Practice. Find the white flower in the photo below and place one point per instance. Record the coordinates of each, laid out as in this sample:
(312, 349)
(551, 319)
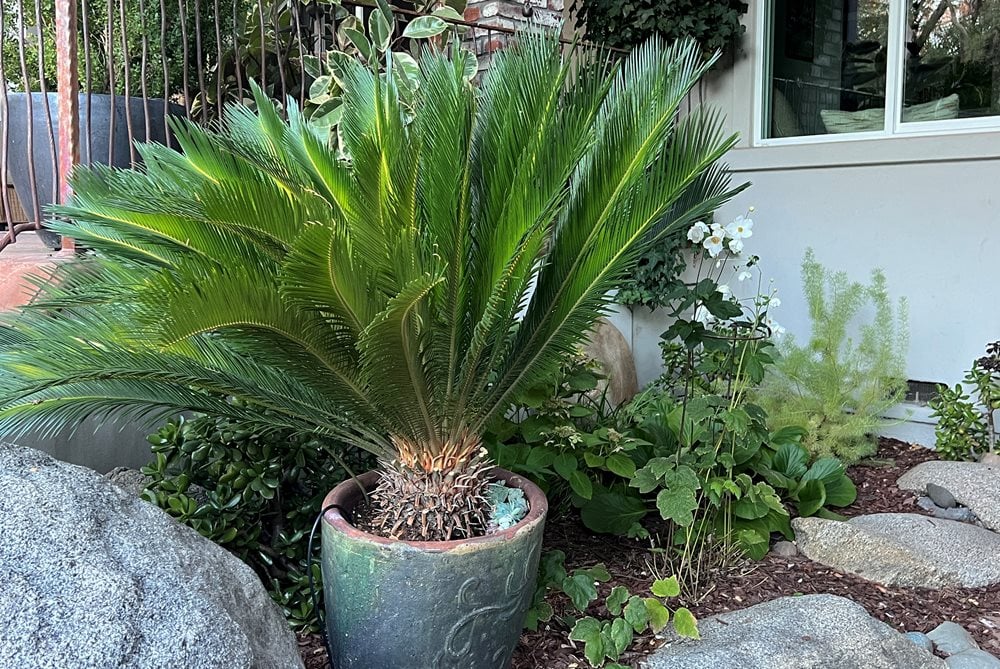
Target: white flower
(713, 244)
(725, 290)
(774, 302)
(697, 232)
(718, 230)
(744, 276)
(740, 228)
(736, 245)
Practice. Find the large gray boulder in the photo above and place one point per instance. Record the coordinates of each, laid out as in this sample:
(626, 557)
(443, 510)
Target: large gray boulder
(91, 576)
(972, 484)
(903, 549)
(808, 632)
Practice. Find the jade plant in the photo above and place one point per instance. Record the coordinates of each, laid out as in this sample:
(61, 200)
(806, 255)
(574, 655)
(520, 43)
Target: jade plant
(394, 291)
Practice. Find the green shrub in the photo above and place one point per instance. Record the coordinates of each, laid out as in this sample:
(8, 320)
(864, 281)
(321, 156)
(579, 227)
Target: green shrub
(714, 24)
(966, 427)
(253, 493)
(839, 388)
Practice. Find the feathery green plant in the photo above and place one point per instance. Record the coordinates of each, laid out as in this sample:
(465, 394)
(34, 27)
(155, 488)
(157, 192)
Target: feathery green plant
(396, 291)
(837, 387)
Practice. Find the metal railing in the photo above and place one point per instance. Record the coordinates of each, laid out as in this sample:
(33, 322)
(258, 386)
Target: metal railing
(82, 80)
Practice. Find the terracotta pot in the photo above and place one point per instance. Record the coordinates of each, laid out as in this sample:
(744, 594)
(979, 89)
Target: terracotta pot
(427, 604)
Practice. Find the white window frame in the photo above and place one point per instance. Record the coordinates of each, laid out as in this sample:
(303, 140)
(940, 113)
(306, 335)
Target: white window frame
(895, 67)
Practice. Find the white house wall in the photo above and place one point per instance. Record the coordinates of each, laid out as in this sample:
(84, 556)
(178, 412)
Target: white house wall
(924, 209)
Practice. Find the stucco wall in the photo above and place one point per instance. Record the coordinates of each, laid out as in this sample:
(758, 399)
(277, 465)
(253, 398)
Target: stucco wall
(924, 209)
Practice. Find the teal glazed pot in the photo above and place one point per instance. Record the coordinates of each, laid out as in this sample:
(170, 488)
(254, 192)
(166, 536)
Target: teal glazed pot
(394, 604)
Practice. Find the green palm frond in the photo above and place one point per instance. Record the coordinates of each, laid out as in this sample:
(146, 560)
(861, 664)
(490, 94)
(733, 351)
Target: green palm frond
(399, 288)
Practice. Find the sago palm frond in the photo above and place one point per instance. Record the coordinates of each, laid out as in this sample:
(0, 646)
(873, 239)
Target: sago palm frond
(396, 291)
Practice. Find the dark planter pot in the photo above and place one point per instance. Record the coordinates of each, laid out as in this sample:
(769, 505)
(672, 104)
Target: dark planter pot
(427, 605)
(104, 141)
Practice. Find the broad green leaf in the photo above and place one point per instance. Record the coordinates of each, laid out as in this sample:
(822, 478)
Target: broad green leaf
(597, 573)
(826, 470)
(565, 464)
(380, 29)
(666, 587)
(581, 484)
(811, 497)
(424, 27)
(593, 459)
(407, 64)
(620, 464)
(448, 13)
(360, 42)
(612, 512)
(840, 491)
(685, 624)
(791, 460)
(659, 615)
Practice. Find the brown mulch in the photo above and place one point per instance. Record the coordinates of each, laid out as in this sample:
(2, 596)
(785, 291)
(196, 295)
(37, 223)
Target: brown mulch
(739, 586)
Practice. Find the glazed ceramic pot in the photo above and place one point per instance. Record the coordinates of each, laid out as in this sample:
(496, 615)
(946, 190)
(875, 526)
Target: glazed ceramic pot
(393, 604)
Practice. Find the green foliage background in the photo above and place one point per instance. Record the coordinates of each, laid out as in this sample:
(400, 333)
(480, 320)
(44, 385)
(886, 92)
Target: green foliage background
(714, 24)
(142, 23)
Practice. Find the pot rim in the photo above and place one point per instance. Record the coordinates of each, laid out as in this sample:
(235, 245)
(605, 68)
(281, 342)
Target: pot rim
(346, 496)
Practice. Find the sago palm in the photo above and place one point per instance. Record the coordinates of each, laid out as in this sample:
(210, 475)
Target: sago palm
(395, 291)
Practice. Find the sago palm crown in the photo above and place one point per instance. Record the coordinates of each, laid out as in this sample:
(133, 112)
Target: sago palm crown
(395, 289)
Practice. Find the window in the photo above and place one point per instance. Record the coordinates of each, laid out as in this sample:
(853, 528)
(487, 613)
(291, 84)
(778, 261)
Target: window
(871, 68)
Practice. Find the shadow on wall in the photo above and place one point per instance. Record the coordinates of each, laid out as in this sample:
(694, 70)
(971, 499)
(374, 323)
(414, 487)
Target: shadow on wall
(98, 445)
(101, 446)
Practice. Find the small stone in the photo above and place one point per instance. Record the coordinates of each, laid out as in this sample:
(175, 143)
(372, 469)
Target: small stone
(972, 659)
(951, 639)
(922, 640)
(927, 504)
(941, 496)
(959, 513)
(972, 484)
(785, 549)
(992, 459)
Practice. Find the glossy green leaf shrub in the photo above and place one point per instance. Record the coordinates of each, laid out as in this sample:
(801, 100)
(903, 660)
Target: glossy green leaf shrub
(254, 493)
(966, 423)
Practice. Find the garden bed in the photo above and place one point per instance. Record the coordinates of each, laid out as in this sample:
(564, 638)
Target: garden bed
(745, 584)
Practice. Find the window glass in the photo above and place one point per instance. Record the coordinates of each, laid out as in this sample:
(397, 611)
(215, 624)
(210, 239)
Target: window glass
(952, 60)
(828, 65)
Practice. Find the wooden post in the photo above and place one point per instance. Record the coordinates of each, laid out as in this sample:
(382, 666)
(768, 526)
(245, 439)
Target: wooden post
(68, 94)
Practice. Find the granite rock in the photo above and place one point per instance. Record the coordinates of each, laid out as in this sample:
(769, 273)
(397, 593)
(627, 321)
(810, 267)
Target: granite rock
(94, 577)
(903, 549)
(807, 632)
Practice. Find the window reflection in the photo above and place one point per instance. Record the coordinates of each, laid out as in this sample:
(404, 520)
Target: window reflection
(828, 65)
(952, 54)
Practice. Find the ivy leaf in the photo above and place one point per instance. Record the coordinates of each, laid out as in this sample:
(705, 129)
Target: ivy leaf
(619, 595)
(580, 589)
(677, 500)
(658, 614)
(685, 624)
(636, 614)
(621, 638)
(588, 630)
(666, 587)
(645, 480)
